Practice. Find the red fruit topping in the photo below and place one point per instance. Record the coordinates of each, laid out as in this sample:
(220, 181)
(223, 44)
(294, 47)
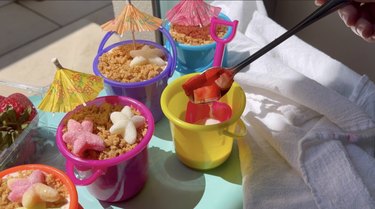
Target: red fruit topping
(218, 77)
(196, 112)
(224, 81)
(193, 83)
(207, 94)
(20, 103)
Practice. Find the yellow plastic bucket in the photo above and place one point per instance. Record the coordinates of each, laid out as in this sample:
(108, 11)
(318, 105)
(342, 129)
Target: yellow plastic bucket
(202, 146)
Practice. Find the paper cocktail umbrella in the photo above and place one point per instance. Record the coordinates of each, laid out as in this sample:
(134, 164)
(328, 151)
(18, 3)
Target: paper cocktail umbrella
(192, 13)
(69, 89)
(133, 20)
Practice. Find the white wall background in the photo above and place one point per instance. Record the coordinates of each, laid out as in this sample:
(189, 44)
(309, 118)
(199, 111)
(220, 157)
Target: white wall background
(328, 34)
(144, 6)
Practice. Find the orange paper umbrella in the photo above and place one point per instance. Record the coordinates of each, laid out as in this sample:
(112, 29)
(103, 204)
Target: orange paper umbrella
(69, 89)
(132, 19)
(192, 13)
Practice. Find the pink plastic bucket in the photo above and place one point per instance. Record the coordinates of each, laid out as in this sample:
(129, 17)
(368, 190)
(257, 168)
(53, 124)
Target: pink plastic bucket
(148, 92)
(116, 179)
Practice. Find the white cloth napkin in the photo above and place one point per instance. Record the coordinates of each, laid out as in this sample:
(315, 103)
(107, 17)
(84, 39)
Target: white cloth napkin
(310, 121)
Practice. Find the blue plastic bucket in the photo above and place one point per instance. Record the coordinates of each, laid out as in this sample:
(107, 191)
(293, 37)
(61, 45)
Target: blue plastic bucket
(148, 92)
(195, 59)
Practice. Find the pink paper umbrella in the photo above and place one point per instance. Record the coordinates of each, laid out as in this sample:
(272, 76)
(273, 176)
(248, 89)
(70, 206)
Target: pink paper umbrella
(192, 13)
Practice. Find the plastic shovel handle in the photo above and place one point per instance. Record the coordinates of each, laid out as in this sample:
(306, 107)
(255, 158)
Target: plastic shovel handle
(220, 43)
(82, 182)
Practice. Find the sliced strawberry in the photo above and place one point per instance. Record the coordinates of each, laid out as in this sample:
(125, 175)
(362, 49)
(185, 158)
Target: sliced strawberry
(225, 81)
(218, 77)
(1, 98)
(221, 111)
(207, 94)
(196, 112)
(193, 83)
(212, 74)
(199, 113)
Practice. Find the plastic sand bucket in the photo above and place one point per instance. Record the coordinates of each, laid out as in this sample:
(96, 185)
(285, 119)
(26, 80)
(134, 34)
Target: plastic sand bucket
(202, 146)
(72, 191)
(192, 59)
(115, 179)
(148, 92)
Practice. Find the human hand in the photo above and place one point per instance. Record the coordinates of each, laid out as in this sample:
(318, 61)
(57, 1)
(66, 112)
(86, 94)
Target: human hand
(359, 15)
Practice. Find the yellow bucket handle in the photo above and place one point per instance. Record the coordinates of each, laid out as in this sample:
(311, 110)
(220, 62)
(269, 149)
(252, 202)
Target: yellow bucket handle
(240, 130)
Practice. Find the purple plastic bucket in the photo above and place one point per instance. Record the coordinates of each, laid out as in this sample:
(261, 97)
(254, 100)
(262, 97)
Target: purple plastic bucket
(115, 179)
(148, 92)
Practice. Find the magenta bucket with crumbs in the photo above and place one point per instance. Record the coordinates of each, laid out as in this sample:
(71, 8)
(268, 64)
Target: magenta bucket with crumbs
(114, 179)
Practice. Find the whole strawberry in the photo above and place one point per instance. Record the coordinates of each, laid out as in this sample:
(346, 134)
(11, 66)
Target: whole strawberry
(20, 103)
(16, 112)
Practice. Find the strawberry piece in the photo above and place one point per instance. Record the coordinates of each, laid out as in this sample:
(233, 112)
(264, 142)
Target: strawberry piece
(203, 79)
(193, 83)
(199, 113)
(20, 103)
(207, 94)
(1, 98)
(221, 111)
(225, 81)
(196, 112)
(218, 77)
(212, 74)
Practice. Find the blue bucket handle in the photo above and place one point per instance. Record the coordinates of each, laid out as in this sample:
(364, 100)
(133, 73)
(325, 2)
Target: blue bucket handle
(164, 31)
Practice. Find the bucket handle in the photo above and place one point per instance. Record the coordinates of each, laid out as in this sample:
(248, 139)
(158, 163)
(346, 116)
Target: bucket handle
(104, 41)
(239, 132)
(174, 49)
(164, 31)
(82, 182)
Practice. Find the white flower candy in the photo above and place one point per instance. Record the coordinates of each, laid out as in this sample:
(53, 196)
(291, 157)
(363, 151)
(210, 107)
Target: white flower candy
(126, 123)
(147, 55)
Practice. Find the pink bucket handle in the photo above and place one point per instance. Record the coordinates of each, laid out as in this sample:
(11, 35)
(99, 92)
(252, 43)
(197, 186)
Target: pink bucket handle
(220, 43)
(70, 171)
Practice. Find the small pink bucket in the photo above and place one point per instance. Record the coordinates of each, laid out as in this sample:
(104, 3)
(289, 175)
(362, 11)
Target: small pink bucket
(116, 179)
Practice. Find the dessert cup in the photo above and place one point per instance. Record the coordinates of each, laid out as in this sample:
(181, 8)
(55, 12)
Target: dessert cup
(73, 196)
(115, 179)
(148, 92)
(193, 59)
(202, 146)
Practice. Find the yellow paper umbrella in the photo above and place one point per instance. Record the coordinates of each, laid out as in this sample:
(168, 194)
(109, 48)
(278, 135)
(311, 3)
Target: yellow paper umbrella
(69, 89)
(133, 20)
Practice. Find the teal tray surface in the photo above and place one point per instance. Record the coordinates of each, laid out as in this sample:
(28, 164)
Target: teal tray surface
(170, 184)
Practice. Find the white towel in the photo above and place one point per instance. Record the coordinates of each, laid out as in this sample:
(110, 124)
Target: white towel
(310, 121)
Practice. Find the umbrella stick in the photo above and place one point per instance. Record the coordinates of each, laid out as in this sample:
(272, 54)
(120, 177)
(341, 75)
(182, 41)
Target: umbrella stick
(56, 62)
(133, 36)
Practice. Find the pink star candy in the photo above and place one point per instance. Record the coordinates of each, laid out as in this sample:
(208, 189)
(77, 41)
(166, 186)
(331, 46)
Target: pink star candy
(19, 186)
(80, 136)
